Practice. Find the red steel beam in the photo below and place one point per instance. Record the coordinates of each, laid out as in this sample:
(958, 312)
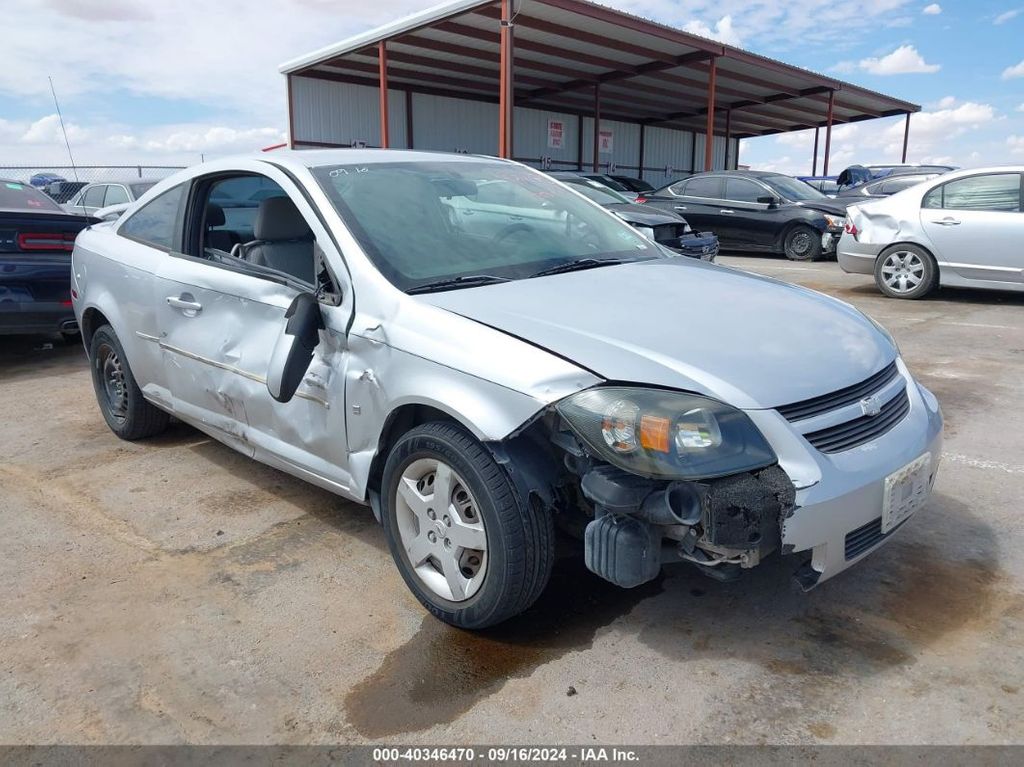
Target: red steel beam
(382, 62)
(728, 135)
(291, 114)
(597, 122)
(814, 166)
(828, 130)
(709, 141)
(506, 97)
(906, 138)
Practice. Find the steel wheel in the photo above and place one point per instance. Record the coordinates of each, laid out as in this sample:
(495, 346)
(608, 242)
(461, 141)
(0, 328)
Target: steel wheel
(441, 529)
(115, 388)
(801, 243)
(903, 271)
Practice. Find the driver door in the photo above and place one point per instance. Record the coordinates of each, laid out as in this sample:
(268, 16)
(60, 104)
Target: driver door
(219, 317)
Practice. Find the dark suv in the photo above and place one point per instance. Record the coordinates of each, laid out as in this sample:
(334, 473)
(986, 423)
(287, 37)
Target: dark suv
(757, 211)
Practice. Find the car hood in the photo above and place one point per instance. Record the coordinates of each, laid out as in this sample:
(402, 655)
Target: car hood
(836, 207)
(643, 215)
(748, 340)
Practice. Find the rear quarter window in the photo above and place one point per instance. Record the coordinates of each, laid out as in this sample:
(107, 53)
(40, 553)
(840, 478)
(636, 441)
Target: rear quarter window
(157, 222)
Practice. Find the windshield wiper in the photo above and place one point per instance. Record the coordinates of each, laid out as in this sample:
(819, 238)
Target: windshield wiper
(466, 281)
(577, 264)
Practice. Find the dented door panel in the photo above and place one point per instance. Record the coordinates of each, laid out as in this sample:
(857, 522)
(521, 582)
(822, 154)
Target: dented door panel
(217, 356)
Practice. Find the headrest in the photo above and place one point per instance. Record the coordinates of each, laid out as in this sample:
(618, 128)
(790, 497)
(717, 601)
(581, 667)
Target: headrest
(214, 215)
(278, 219)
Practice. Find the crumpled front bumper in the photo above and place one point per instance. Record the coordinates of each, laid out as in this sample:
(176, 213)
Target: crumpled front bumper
(844, 506)
(702, 245)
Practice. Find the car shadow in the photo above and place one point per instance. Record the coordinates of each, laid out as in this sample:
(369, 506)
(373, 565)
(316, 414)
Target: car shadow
(881, 614)
(24, 356)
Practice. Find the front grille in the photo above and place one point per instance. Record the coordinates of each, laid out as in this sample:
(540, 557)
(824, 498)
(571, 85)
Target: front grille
(826, 402)
(866, 537)
(846, 436)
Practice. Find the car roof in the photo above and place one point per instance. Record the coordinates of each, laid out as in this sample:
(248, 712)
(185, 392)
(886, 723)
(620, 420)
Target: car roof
(312, 158)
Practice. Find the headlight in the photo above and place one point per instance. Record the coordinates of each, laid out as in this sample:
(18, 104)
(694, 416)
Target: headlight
(665, 434)
(835, 222)
(646, 231)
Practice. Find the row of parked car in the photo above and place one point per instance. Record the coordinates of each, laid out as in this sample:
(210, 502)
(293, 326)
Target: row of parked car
(914, 227)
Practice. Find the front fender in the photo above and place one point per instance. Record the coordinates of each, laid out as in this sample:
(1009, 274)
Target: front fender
(380, 379)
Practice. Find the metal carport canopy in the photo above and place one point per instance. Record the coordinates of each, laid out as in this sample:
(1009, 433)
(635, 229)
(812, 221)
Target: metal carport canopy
(579, 57)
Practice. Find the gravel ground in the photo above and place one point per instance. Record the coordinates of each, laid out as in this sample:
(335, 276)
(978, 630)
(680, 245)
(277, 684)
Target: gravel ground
(174, 591)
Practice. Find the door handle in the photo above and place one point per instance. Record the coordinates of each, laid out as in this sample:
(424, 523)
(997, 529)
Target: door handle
(726, 210)
(947, 221)
(185, 303)
(680, 207)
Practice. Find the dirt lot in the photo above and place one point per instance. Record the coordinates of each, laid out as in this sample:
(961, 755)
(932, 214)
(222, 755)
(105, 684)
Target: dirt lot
(173, 591)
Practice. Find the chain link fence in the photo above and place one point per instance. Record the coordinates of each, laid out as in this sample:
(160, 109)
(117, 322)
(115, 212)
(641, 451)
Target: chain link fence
(62, 182)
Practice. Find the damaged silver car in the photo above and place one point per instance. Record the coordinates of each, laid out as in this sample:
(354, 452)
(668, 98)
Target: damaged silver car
(484, 356)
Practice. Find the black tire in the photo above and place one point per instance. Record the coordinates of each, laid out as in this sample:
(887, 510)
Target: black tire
(125, 410)
(910, 262)
(520, 538)
(802, 243)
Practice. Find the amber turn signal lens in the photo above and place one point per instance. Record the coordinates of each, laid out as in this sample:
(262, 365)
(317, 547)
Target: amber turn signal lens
(654, 433)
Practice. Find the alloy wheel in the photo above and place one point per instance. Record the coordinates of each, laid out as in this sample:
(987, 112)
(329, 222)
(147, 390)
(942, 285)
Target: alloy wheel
(902, 271)
(441, 529)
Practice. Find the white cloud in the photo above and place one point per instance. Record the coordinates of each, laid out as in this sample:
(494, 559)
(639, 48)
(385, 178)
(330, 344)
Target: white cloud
(1017, 70)
(932, 10)
(1016, 145)
(42, 142)
(946, 102)
(903, 60)
(1020, 107)
(1002, 18)
(941, 135)
(723, 30)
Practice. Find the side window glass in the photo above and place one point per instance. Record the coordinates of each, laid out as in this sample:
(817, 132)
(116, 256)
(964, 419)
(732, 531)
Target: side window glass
(933, 199)
(116, 194)
(994, 192)
(94, 196)
(742, 190)
(252, 219)
(678, 189)
(156, 222)
(704, 187)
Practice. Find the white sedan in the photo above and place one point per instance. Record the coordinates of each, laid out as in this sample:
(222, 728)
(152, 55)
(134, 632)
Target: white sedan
(963, 229)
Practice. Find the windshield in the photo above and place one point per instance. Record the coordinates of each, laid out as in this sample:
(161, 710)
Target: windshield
(15, 196)
(600, 195)
(425, 222)
(792, 189)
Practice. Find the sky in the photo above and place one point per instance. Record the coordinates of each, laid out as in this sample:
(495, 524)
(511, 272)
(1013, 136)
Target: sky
(144, 82)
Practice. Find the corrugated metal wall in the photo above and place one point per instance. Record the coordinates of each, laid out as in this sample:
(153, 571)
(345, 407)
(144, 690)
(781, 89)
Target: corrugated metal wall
(339, 113)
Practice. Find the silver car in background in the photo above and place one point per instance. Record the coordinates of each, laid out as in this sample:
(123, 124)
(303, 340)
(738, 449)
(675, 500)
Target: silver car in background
(481, 355)
(963, 229)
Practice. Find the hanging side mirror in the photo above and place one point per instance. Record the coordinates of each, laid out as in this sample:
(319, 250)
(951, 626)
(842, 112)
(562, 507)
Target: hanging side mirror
(294, 348)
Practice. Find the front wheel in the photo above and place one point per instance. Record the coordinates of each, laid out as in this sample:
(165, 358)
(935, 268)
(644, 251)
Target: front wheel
(906, 271)
(467, 546)
(802, 243)
(125, 410)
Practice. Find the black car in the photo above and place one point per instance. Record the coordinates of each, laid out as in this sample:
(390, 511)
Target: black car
(36, 239)
(633, 184)
(668, 229)
(882, 187)
(757, 211)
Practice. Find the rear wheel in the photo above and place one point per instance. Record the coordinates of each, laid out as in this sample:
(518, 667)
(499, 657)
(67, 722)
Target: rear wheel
(802, 243)
(906, 271)
(125, 410)
(467, 547)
